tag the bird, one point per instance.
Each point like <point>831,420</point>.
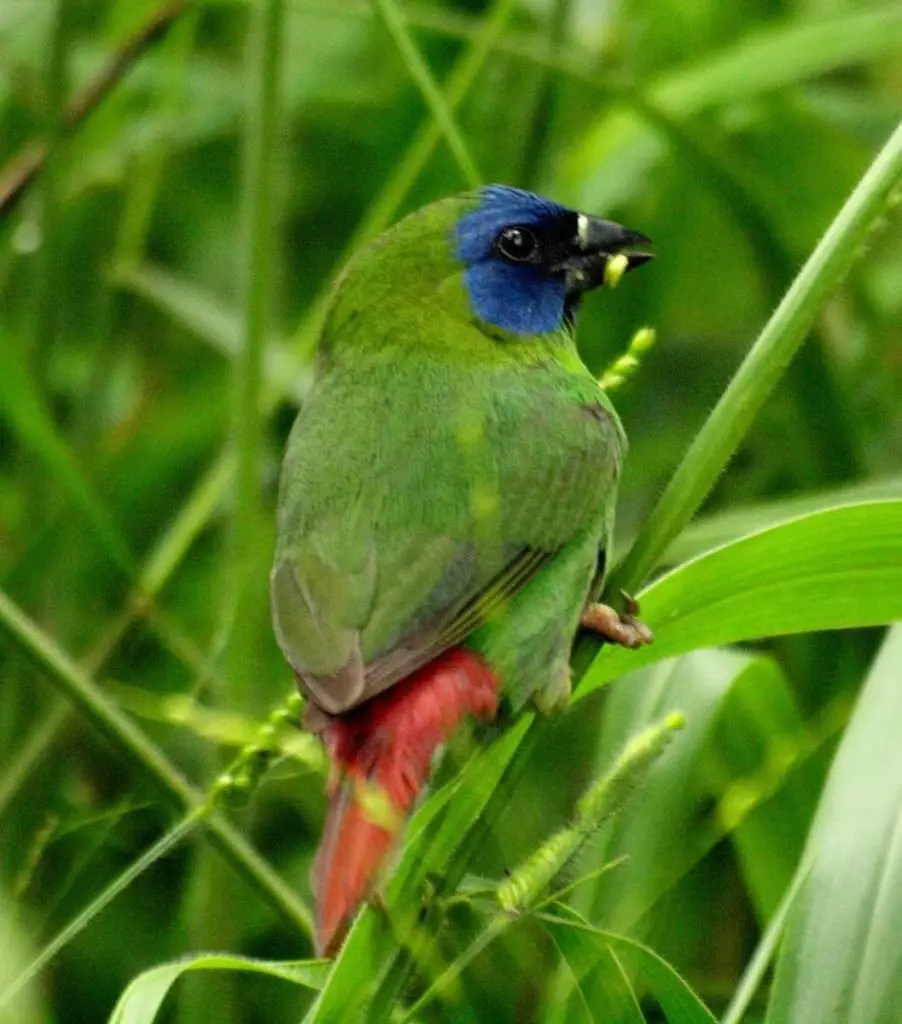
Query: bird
<point>445,504</point>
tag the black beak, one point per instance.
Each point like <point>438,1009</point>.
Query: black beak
<point>595,243</point>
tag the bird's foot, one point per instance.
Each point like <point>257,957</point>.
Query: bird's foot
<point>625,629</point>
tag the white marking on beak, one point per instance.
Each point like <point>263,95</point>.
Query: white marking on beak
<point>582,230</point>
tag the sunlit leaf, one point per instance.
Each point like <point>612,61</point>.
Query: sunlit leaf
<point>730,525</point>
<point>141,1001</point>
<point>841,959</point>
<point>836,569</point>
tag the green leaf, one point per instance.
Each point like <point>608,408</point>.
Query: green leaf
<point>419,71</point>
<point>141,1001</point>
<point>606,996</point>
<point>836,569</point>
<point>675,997</point>
<point>713,531</point>
<point>841,959</point>
<point>762,368</point>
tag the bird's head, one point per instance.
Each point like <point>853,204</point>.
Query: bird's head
<point>529,261</point>
<point>509,261</point>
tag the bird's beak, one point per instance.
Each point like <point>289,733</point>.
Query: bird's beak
<point>596,242</point>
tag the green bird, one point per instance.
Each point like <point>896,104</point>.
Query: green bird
<point>446,501</point>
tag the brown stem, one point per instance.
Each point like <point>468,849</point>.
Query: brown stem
<point>22,170</point>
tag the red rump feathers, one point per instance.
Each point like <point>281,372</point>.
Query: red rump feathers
<point>381,754</point>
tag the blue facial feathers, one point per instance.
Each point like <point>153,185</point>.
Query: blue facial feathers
<point>501,206</point>
<point>519,297</point>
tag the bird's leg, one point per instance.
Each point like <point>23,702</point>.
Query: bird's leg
<point>625,629</point>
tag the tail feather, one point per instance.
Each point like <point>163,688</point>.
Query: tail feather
<point>352,850</point>
<point>381,754</point>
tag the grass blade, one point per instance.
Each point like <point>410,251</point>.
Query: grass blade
<point>848,914</point>
<point>141,1001</point>
<point>765,364</point>
<point>79,688</point>
<point>420,73</point>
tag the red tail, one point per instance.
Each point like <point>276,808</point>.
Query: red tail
<point>381,754</point>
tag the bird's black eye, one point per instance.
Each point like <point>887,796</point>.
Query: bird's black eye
<point>517,243</point>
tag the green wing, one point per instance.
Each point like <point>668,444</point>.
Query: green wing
<point>414,502</point>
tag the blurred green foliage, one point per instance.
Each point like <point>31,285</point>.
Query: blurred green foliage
<point>730,133</point>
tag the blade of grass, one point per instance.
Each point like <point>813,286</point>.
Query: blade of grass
<point>765,364</point>
<point>262,136</point>
<point>23,169</point>
<point>211,884</point>
<point>836,569</point>
<point>140,1002</point>
<point>729,525</point>
<point>847,914</point>
<point>753,976</point>
<point>535,149</point>
<point>150,856</point>
<point>487,37</point>
<point>420,73</point>
<point>78,687</point>
<point>673,994</point>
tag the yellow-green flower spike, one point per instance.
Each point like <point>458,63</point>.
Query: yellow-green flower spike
<point>626,365</point>
<point>603,798</point>
<point>614,269</point>
<point>240,778</point>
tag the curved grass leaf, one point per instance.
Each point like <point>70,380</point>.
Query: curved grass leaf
<point>605,995</point>
<point>419,71</point>
<point>680,1005</point>
<point>841,959</point>
<point>836,569</point>
<point>141,1001</point>
<point>713,531</point>
<point>761,370</point>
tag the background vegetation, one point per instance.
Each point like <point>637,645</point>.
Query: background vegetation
<point>163,258</point>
